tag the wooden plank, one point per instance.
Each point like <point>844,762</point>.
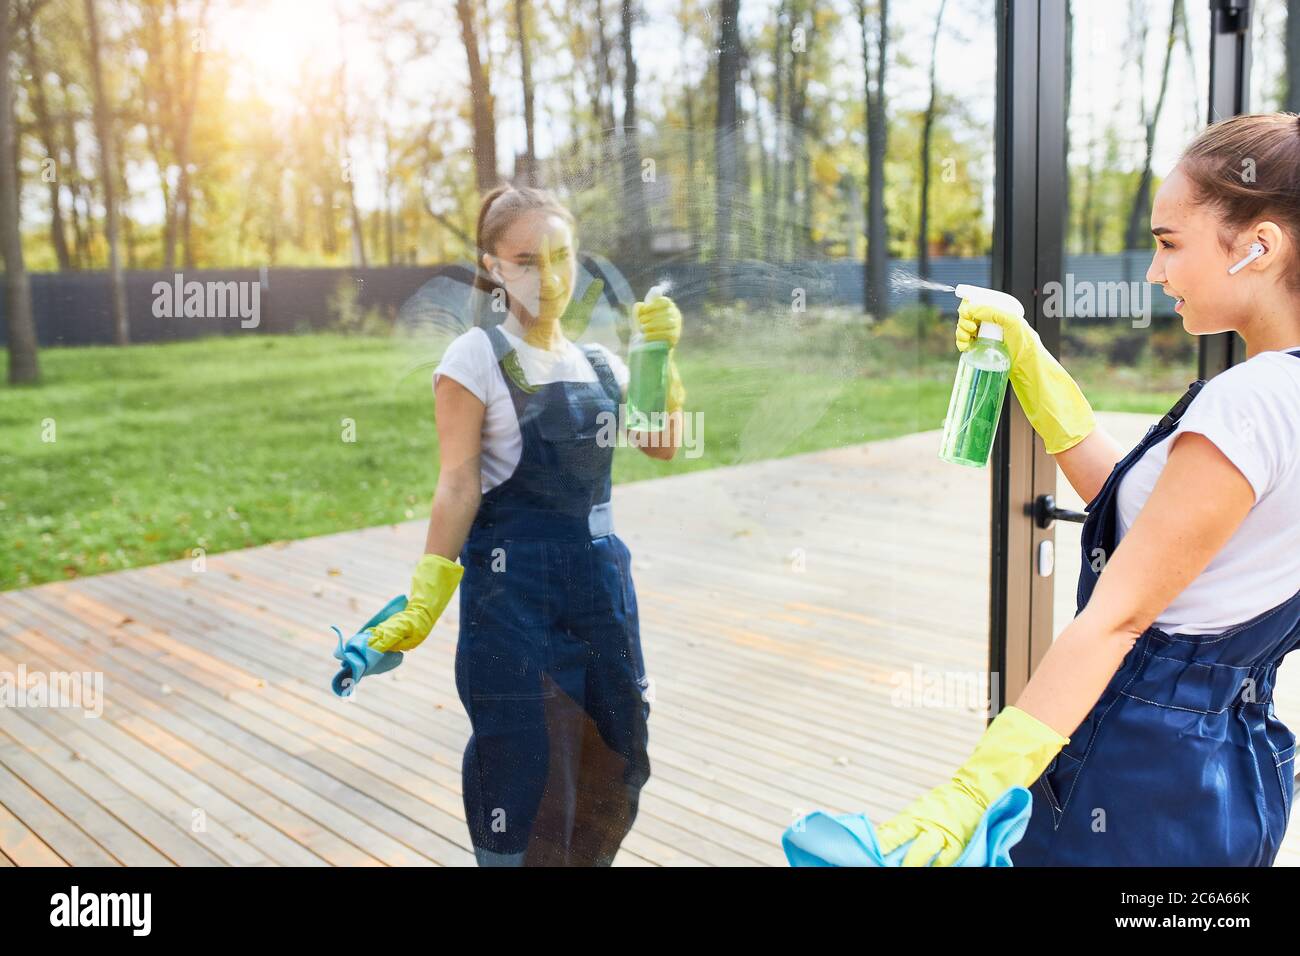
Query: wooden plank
<point>18,843</point>
<point>774,685</point>
<point>181,688</point>
<point>63,837</point>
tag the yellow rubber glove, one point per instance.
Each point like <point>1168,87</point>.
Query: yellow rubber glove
<point>1015,749</point>
<point>676,391</point>
<point>432,586</point>
<point>661,321</point>
<point>1051,399</point>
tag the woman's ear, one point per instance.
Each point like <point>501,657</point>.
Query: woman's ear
<point>1276,241</point>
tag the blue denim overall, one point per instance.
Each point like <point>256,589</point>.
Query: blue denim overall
<point>548,664</point>
<point>1181,762</point>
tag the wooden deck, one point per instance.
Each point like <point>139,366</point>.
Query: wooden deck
<point>780,603</point>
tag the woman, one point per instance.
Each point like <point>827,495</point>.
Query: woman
<point>1160,689</point>
<point>548,665</point>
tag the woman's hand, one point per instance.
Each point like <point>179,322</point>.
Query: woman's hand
<point>1015,749</point>
<point>660,320</point>
<point>941,822</point>
<point>432,586</point>
<point>1052,401</point>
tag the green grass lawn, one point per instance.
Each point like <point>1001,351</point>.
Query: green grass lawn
<point>231,442</point>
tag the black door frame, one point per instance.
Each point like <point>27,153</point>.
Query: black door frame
<point>1028,251</point>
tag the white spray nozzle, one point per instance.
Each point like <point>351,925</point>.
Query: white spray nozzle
<point>659,288</point>
<point>998,300</point>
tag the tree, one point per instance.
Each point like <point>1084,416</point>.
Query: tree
<point>24,367</point>
<point>725,135</point>
<point>1140,210</point>
<point>107,173</point>
<point>632,234</point>
<point>171,74</point>
<point>481,108</point>
<point>46,130</point>
<point>529,170</point>
<point>875,290</point>
<point>927,132</point>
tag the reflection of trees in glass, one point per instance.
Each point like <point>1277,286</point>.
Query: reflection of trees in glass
<point>355,132</point>
<point>1140,210</point>
<point>1137,99</point>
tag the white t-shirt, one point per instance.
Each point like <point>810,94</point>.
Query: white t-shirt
<point>469,360</point>
<point>1252,414</point>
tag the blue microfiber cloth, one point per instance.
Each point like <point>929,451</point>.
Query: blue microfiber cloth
<point>848,839</point>
<point>360,660</point>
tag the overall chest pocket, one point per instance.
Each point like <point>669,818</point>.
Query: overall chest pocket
<point>579,432</point>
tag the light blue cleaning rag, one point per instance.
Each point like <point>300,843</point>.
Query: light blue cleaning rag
<point>848,839</point>
<point>358,658</point>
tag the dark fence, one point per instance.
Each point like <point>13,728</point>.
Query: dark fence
<point>73,308</point>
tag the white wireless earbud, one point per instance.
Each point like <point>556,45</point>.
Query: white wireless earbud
<point>1256,250</point>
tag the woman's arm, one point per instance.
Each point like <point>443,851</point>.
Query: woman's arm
<point>1089,463</point>
<point>456,499</point>
<point>1199,501</point>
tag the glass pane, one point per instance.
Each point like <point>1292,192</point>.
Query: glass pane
<point>1120,338</point>
<point>793,586</point>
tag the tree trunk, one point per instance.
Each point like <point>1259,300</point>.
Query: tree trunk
<point>634,220</point>
<point>485,142</point>
<point>49,139</point>
<point>184,186</point>
<point>693,225</point>
<point>605,85</point>
<point>1140,211</point>
<point>725,141</point>
<point>796,93</point>
<point>927,135</point>
<point>526,73</point>
<point>772,245</point>
<point>764,186</point>
<point>24,366</point>
<point>808,131</point>
<point>876,289</point>
<point>104,136</point>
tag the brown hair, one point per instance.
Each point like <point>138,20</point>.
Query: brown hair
<point>506,203</point>
<point>1247,168</point>
<point>500,208</point>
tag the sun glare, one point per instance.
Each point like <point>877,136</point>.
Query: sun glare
<point>280,45</point>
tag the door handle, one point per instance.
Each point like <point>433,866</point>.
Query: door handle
<point>1045,512</point>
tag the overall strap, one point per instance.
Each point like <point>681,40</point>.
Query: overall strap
<point>508,363</point>
<point>605,374</point>
<point>501,347</point>
<point>1174,414</point>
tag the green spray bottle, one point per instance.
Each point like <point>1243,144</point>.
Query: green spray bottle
<point>975,405</point>
<point>647,392</point>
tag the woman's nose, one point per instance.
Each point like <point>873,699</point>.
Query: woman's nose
<point>1155,273</point>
